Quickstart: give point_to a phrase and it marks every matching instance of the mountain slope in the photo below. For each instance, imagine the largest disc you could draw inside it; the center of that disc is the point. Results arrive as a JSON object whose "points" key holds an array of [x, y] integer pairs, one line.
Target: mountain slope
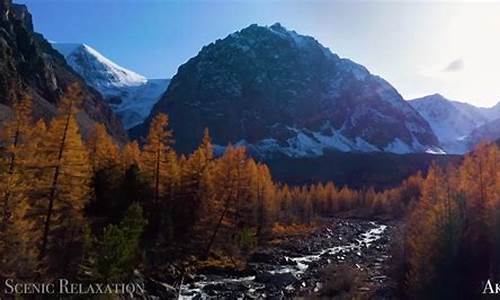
{"points": [[492, 113], [458, 126], [281, 93], [29, 64], [488, 132], [130, 95], [451, 122], [482, 114]]}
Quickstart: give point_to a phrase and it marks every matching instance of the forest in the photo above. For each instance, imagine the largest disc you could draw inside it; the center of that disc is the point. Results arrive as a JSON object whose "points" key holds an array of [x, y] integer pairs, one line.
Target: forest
{"points": [[89, 209]]}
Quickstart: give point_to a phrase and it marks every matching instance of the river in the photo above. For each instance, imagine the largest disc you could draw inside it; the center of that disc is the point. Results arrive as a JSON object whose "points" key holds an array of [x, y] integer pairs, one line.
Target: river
{"points": [[293, 268]]}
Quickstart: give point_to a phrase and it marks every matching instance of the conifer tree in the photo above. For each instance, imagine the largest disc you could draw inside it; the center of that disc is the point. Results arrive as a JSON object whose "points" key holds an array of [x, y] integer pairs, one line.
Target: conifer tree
{"points": [[16, 245], [130, 155], [114, 255], [231, 191], [104, 153], [196, 187], [14, 135], [62, 189], [154, 158], [160, 168]]}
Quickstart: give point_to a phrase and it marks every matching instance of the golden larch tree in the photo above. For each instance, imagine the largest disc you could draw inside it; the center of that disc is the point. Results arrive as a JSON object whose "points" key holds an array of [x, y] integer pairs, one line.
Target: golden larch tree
{"points": [[62, 189]]}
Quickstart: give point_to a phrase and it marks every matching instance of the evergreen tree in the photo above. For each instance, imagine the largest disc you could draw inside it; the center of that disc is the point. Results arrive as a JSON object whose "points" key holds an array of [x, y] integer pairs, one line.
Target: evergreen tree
{"points": [[113, 257]]}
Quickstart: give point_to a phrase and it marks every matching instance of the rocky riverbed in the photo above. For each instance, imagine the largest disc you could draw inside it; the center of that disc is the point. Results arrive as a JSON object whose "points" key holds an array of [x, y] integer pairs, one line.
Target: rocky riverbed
{"points": [[295, 266]]}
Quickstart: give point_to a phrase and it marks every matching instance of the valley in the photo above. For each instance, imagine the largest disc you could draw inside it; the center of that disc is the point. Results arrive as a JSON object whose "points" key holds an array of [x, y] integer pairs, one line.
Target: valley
{"points": [[264, 166]]}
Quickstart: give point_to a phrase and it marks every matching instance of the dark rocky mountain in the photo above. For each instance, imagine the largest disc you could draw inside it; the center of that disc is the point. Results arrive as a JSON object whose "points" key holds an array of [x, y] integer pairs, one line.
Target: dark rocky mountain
{"points": [[281, 93], [29, 65]]}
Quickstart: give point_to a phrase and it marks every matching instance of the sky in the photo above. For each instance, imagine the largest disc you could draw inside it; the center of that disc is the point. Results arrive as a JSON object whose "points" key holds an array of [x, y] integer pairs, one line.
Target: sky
{"points": [[421, 47]]}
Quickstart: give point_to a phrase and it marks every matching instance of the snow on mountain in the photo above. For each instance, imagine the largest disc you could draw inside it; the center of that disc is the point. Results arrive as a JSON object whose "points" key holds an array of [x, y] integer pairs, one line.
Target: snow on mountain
{"points": [[130, 95], [449, 122], [458, 126], [133, 104], [97, 70], [281, 93]]}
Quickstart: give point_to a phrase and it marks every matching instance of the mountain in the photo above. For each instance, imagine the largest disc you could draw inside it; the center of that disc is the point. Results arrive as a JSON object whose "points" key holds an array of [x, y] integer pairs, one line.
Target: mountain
{"points": [[281, 93], [29, 65], [477, 113], [130, 95], [492, 113], [451, 121], [458, 126], [488, 132]]}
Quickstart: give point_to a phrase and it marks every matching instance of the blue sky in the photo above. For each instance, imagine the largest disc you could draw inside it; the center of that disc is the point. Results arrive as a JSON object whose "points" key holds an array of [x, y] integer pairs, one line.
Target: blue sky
{"points": [[419, 47]]}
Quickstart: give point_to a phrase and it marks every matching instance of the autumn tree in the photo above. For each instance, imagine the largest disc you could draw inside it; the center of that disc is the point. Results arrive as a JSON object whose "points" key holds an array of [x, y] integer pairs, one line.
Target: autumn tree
{"points": [[193, 204], [160, 168], [154, 156], [62, 187], [231, 192], [263, 193], [104, 153], [18, 257], [130, 155]]}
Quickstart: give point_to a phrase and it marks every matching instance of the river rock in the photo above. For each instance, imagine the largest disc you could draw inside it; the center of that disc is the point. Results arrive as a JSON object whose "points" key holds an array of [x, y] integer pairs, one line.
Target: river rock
{"points": [[277, 280], [161, 290], [268, 257], [227, 288], [225, 271]]}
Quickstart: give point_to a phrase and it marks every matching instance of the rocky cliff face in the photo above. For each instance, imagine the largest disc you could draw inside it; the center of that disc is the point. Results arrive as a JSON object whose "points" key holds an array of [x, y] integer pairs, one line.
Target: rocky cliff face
{"points": [[29, 65], [278, 92]]}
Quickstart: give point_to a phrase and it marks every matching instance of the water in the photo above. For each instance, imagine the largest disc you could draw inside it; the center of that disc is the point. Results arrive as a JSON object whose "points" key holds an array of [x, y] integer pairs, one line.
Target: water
{"points": [[255, 289]]}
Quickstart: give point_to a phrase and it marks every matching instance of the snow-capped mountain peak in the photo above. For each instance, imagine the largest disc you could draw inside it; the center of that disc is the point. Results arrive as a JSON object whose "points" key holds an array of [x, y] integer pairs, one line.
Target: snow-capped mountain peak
{"points": [[458, 125], [96, 69], [130, 95]]}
